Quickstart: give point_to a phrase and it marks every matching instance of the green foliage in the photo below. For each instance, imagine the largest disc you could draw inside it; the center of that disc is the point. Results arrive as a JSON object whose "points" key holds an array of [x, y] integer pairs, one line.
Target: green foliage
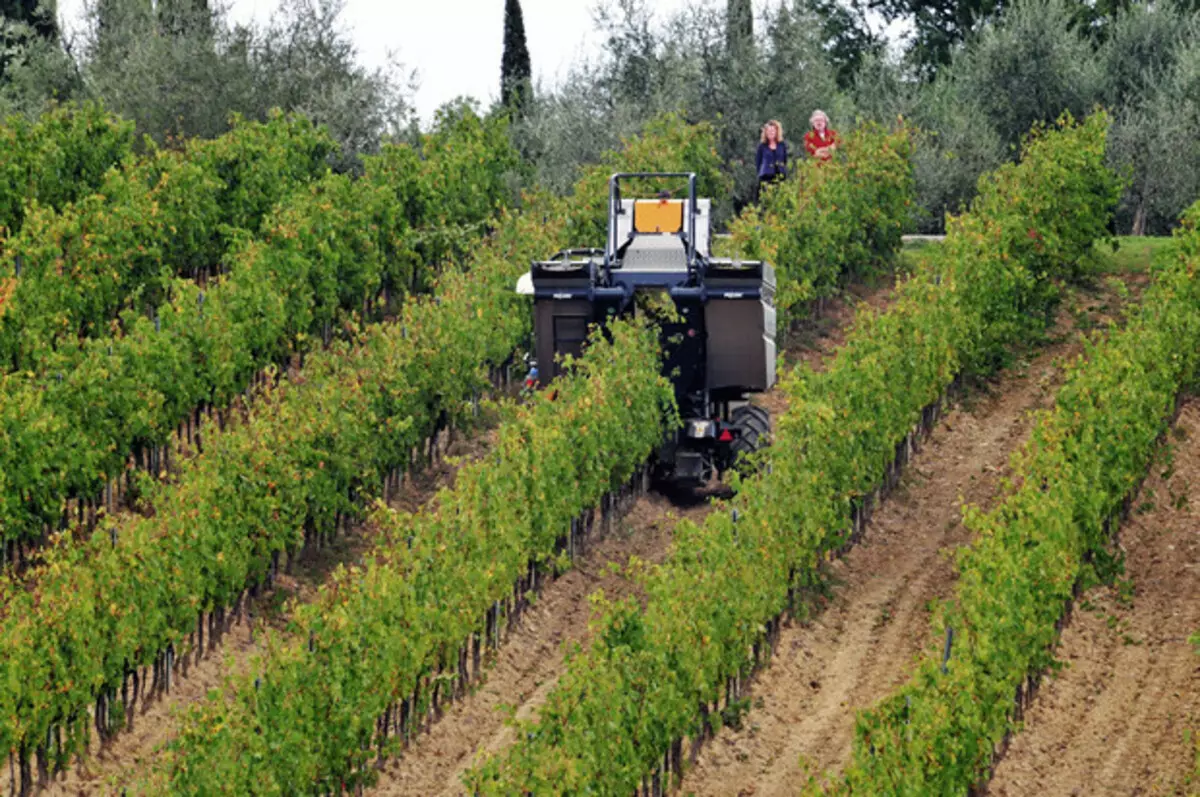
{"points": [[466, 162], [944, 28], [1084, 460], [38, 14], [1142, 44], [622, 703], [172, 213], [849, 40], [831, 220], [683, 65], [1028, 64], [1157, 139], [1040, 217], [666, 144], [312, 449], [57, 159], [380, 633], [739, 27], [1030, 67], [181, 18], [22, 22], [954, 143], [181, 69], [940, 27], [76, 624], [325, 257]]}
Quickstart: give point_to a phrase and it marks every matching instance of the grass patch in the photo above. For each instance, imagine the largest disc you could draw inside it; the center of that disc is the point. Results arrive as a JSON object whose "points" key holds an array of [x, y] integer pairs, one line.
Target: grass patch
{"points": [[913, 253], [1133, 254]]}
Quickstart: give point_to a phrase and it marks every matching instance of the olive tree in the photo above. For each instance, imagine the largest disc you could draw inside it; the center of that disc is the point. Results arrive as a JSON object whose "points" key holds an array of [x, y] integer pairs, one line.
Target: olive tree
{"points": [[180, 68], [1149, 68], [1155, 142], [955, 140], [698, 61], [1029, 66]]}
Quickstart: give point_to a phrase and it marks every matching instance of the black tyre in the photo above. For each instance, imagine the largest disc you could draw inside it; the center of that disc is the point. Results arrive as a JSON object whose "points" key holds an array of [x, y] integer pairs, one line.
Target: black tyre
{"points": [[753, 431]]}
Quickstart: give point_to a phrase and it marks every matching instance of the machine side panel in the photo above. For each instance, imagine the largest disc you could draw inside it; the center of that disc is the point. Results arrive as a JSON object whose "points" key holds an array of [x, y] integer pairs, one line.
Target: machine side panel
{"points": [[741, 344], [560, 327], [769, 341]]}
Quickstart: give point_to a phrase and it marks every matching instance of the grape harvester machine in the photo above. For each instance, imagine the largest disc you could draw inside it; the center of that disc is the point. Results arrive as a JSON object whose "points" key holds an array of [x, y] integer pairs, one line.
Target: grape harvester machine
{"points": [[718, 349]]}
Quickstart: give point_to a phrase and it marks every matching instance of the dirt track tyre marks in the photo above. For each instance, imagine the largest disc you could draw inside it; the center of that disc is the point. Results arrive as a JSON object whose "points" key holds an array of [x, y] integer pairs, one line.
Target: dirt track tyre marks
{"points": [[861, 646], [1114, 720], [134, 751], [528, 666], [130, 753]]}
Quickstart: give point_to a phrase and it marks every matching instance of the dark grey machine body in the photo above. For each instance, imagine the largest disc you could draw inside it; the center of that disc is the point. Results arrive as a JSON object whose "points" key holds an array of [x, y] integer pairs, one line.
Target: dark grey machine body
{"points": [[721, 350]]}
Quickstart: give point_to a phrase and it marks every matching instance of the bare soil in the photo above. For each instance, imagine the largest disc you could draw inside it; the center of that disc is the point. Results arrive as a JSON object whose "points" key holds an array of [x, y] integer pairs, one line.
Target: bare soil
{"points": [[812, 339], [132, 752], [860, 644], [1120, 718], [530, 662], [528, 665]]}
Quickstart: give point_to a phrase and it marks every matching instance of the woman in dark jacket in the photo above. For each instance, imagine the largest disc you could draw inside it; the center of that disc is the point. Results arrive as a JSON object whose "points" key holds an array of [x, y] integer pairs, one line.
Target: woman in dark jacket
{"points": [[772, 155]]}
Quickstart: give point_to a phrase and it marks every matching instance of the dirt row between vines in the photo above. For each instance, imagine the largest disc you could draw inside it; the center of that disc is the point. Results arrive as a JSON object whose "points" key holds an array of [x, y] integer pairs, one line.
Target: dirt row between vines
{"points": [[859, 644], [528, 665], [1120, 717], [530, 660], [131, 753]]}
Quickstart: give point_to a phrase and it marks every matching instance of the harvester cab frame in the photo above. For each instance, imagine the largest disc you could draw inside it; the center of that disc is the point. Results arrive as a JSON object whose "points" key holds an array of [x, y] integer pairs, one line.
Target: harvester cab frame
{"points": [[719, 345]]}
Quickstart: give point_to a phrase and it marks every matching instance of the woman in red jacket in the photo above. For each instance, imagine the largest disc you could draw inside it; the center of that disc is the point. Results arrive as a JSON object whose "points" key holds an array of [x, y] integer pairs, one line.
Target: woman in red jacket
{"points": [[821, 141]]}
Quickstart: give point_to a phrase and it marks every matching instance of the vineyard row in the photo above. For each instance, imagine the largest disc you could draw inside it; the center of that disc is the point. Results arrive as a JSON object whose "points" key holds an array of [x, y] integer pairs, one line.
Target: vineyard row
{"points": [[381, 647], [167, 213], [1072, 485], [57, 159], [72, 427], [619, 717], [98, 612], [370, 660]]}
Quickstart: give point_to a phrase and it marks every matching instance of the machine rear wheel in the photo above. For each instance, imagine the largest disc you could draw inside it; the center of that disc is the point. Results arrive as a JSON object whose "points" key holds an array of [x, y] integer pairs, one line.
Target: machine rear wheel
{"points": [[753, 425]]}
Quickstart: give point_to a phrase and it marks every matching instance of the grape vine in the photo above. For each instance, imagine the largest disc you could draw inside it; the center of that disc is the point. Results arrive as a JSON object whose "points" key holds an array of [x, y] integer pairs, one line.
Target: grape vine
{"points": [[652, 678], [57, 159], [86, 624], [368, 658], [1073, 482], [332, 251]]}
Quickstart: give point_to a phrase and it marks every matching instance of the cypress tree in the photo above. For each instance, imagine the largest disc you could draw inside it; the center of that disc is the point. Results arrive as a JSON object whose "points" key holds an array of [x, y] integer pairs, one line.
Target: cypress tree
{"points": [[516, 74], [739, 22]]}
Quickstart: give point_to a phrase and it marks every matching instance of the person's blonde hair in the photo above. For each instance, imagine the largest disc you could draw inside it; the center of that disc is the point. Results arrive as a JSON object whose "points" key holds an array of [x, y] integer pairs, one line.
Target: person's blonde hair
{"points": [[778, 128], [819, 114]]}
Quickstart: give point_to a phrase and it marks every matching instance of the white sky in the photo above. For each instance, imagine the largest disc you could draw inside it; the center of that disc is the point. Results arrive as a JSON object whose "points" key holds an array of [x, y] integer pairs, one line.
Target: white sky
{"points": [[455, 47]]}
